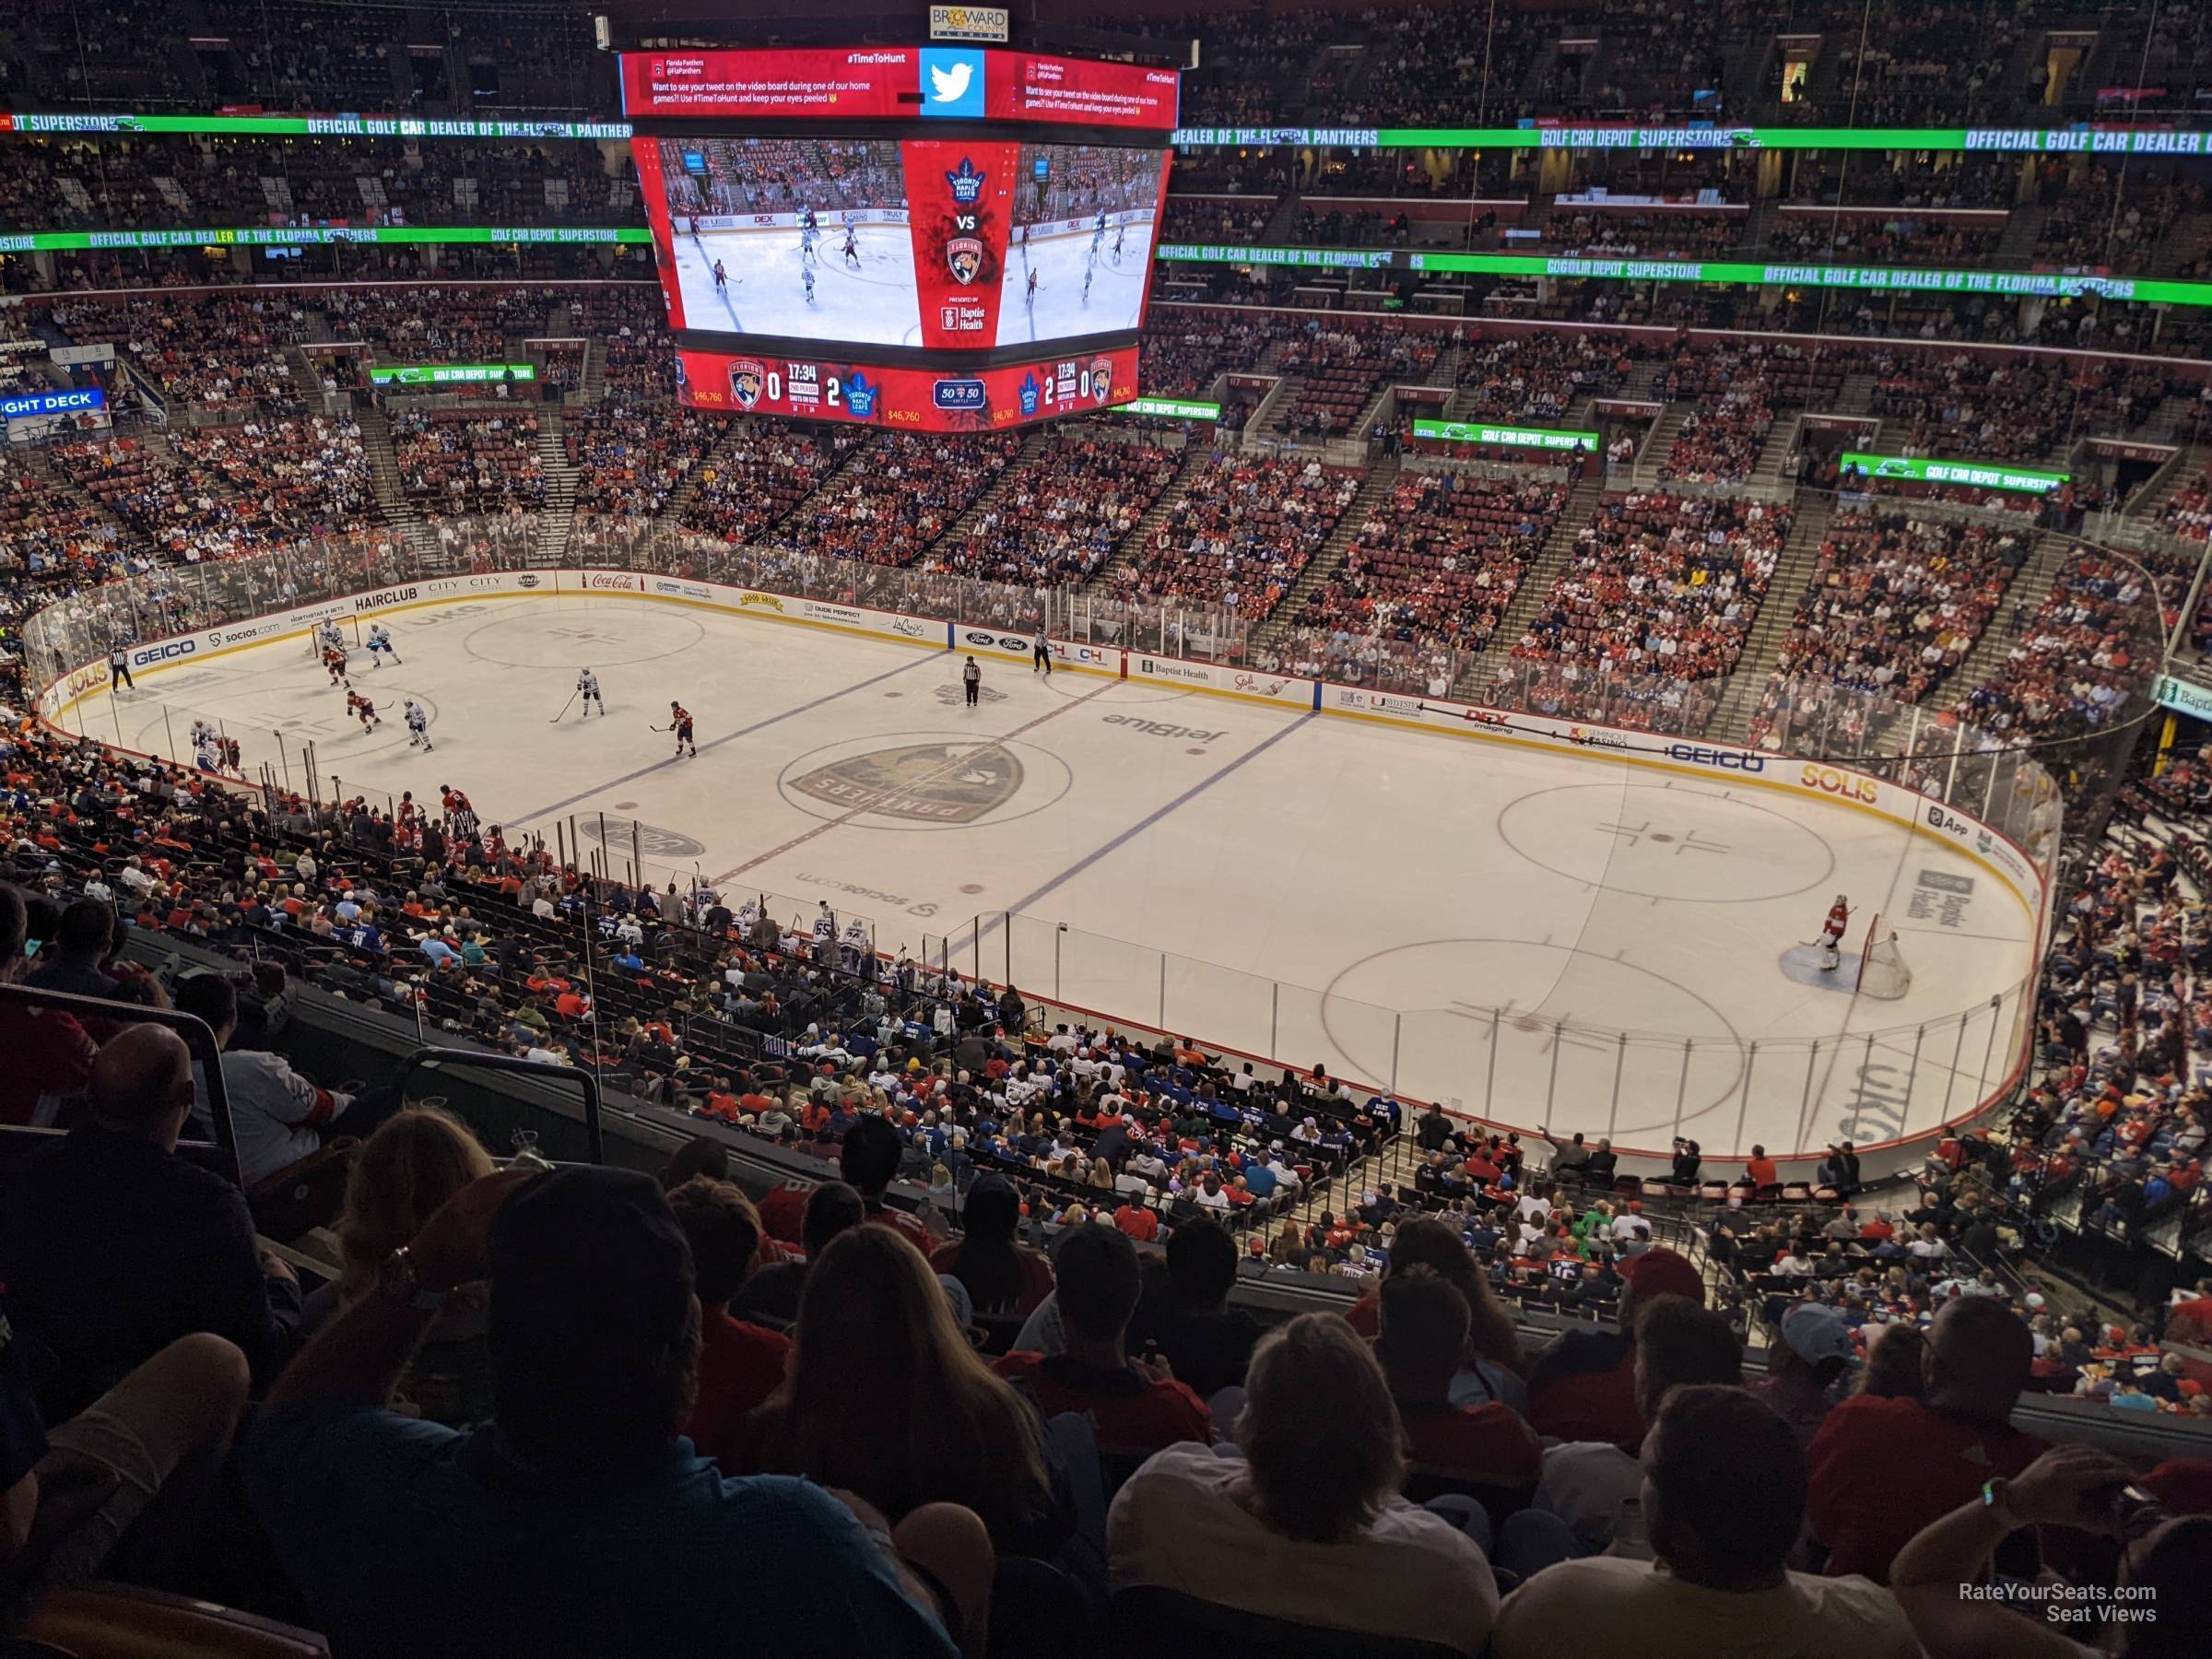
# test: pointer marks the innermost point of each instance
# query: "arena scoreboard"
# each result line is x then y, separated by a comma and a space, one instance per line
936, 238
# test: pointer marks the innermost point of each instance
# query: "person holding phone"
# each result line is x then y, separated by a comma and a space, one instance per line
2158, 1608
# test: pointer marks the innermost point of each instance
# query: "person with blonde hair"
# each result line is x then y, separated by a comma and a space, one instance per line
417, 1160
1309, 1526
932, 1425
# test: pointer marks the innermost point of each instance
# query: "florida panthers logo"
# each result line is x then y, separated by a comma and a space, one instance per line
965, 255
1101, 379
747, 378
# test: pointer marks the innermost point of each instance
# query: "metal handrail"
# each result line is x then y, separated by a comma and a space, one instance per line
205, 1053
433, 1057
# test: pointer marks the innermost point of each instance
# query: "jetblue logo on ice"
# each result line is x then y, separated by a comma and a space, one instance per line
966, 182
960, 394
953, 78
860, 396
1029, 390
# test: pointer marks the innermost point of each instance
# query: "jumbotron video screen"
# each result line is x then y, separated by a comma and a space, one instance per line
931, 236
930, 243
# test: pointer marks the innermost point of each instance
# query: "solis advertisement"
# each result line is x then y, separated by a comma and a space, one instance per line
907, 399
948, 243
963, 83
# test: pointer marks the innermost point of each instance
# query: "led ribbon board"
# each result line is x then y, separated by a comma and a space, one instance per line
1172, 408
1975, 475
2026, 141
285, 236
448, 375
24, 406
328, 127
1465, 431
1895, 279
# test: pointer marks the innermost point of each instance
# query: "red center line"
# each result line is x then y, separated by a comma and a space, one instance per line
963, 758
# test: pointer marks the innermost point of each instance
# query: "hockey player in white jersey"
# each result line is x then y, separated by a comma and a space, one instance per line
418, 727
587, 688
379, 645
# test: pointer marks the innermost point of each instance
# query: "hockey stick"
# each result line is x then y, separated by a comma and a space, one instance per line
564, 709
650, 727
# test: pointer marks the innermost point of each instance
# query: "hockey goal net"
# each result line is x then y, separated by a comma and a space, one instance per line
1883, 970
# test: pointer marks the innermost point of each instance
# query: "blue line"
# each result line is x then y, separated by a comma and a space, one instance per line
1123, 838
759, 725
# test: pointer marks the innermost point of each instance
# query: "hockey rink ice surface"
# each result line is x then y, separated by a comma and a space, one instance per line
1117, 292
1346, 892
872, 304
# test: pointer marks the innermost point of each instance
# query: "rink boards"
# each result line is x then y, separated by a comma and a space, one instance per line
2014, 866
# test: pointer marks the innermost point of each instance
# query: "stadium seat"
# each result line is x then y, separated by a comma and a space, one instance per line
1145, 1621
98, 1620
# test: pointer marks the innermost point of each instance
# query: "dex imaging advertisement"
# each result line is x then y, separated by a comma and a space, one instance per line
946, 243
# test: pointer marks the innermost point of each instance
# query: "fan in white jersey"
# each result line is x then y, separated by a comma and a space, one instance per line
587, 688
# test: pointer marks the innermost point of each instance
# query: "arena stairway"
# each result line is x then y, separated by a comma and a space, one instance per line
1194, 459
400, 513
1782, 438
305, 376
1794, 572
559, 513
1535, 587
2143, 510
2017, 245
2024, 596
1659, 442
1329, 558
1033, 446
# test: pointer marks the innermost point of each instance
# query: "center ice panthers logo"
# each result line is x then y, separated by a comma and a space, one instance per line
747, 378
965, 255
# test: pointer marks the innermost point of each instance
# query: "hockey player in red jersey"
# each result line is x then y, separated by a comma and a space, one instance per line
1832, 934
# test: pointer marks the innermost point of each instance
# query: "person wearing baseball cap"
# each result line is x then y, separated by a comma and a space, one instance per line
1816, 1348
579, 1520
1584, 1385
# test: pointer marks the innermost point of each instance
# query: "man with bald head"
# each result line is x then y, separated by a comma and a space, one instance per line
112, 1247
1883, 1468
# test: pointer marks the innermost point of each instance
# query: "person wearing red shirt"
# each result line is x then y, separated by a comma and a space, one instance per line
1761, 1171
49, 1055
1584, 1385
1878, 1230
1882, 1468
1140, 1221
740, 1364
1136, 1405
1422, 1343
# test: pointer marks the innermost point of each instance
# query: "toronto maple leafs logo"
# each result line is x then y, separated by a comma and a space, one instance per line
860, 396
1029, 391
967, 183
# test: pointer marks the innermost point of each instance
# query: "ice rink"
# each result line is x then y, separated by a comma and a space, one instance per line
873, 303
1117, 291
1554, 938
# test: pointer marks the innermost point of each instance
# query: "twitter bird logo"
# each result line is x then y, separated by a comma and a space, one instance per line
955, 81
